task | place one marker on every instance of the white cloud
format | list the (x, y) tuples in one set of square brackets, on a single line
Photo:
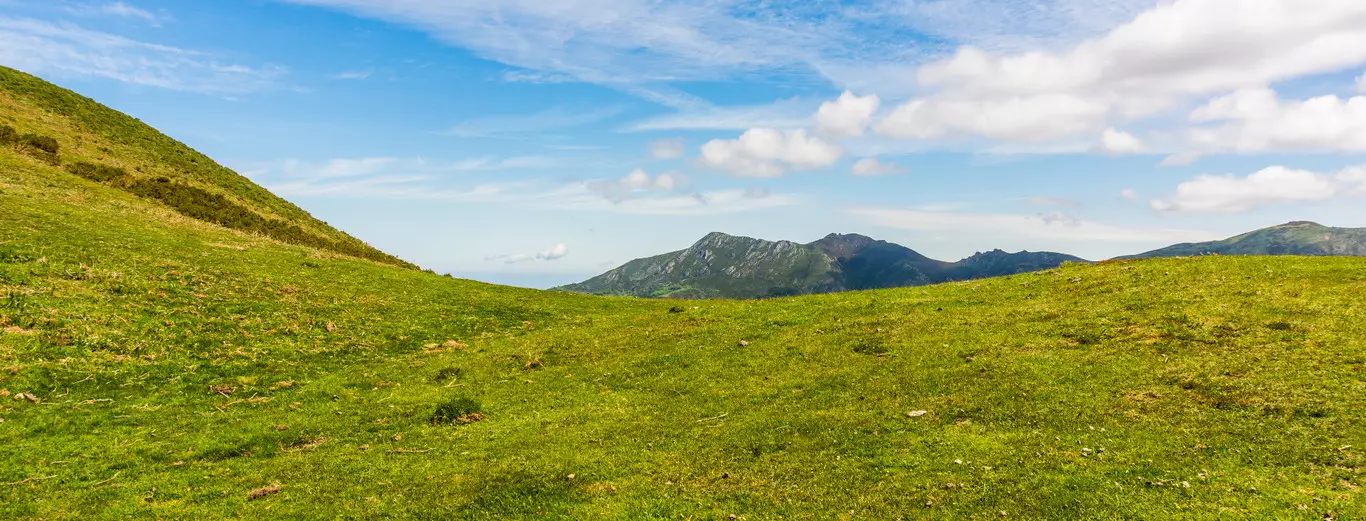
[(1162, 57), (1182, 159), (757, 192), (765, 152), (1118, 142), (667, 148), (785, 114), (872, 166), (555, 252), (636, 182), (67, 50), (1130, 194), (1271, 185), (1031, 118), (508, 126), (847, 116), (353, 75), (1257, 120), (1055, 226), (118, 9)]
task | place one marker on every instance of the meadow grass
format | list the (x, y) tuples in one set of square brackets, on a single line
[(155, 366)]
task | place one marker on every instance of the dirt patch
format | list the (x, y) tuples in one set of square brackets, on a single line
[(466, 419), (16, 330), (1142, 397), (223, 389), (263, 492)]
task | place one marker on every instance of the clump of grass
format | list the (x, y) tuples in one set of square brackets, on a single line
[(871, 346), (44, 148), (7, 135), (458, 411), (448, 374)]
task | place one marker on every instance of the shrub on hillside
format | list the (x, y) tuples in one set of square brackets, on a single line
[(41, 147), (44, 143), (8, 135), (97, 173)]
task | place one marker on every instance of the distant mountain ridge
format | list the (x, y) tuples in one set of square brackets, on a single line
[(1293, 238), (727, 266)]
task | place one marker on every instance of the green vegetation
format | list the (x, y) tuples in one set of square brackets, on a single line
[(725, 266), (113, 147), (154, 365), (1296, 238)]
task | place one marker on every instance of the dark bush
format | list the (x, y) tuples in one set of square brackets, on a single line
[(7, 135), (44, 143), (460, 410), (97, 173)]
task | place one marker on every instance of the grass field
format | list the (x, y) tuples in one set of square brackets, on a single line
[(156, 366)]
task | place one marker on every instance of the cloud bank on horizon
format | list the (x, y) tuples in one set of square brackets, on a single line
[(1164, 122)]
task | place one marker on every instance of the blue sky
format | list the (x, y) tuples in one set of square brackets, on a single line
[(537, 143)]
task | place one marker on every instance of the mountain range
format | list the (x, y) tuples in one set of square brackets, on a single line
[(727, 266)]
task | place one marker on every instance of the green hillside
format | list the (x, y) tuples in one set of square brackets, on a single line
[(1296, 238), (154, 365), (726, 266), (103, 145)]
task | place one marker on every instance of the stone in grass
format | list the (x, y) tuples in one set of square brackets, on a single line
[(459, 411), (744, 343), (916, 414)]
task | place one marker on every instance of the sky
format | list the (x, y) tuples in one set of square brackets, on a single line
[(537, 143)]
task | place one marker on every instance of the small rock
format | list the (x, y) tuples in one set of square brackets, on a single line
[(1185, 484), (917, 414), (572, 476), (958, 461), (331, 326), (397, 437), (27, 396), (744, 343)]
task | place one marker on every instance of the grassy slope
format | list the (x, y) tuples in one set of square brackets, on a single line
[(1203, 388), (90, 132)]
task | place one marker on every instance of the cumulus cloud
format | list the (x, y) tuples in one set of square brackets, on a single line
[(1163, 56), (1181, 159), (1258, 120), (1118, 142), (667, 148), (1031, 118), (872, 166), (555, 252), (1277, 184), (638, 181), (766, 152), (847, 116)]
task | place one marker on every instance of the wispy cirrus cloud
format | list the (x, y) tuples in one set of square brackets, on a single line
[(119, 10), (415, 179), (515, 125), (66, 49)]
